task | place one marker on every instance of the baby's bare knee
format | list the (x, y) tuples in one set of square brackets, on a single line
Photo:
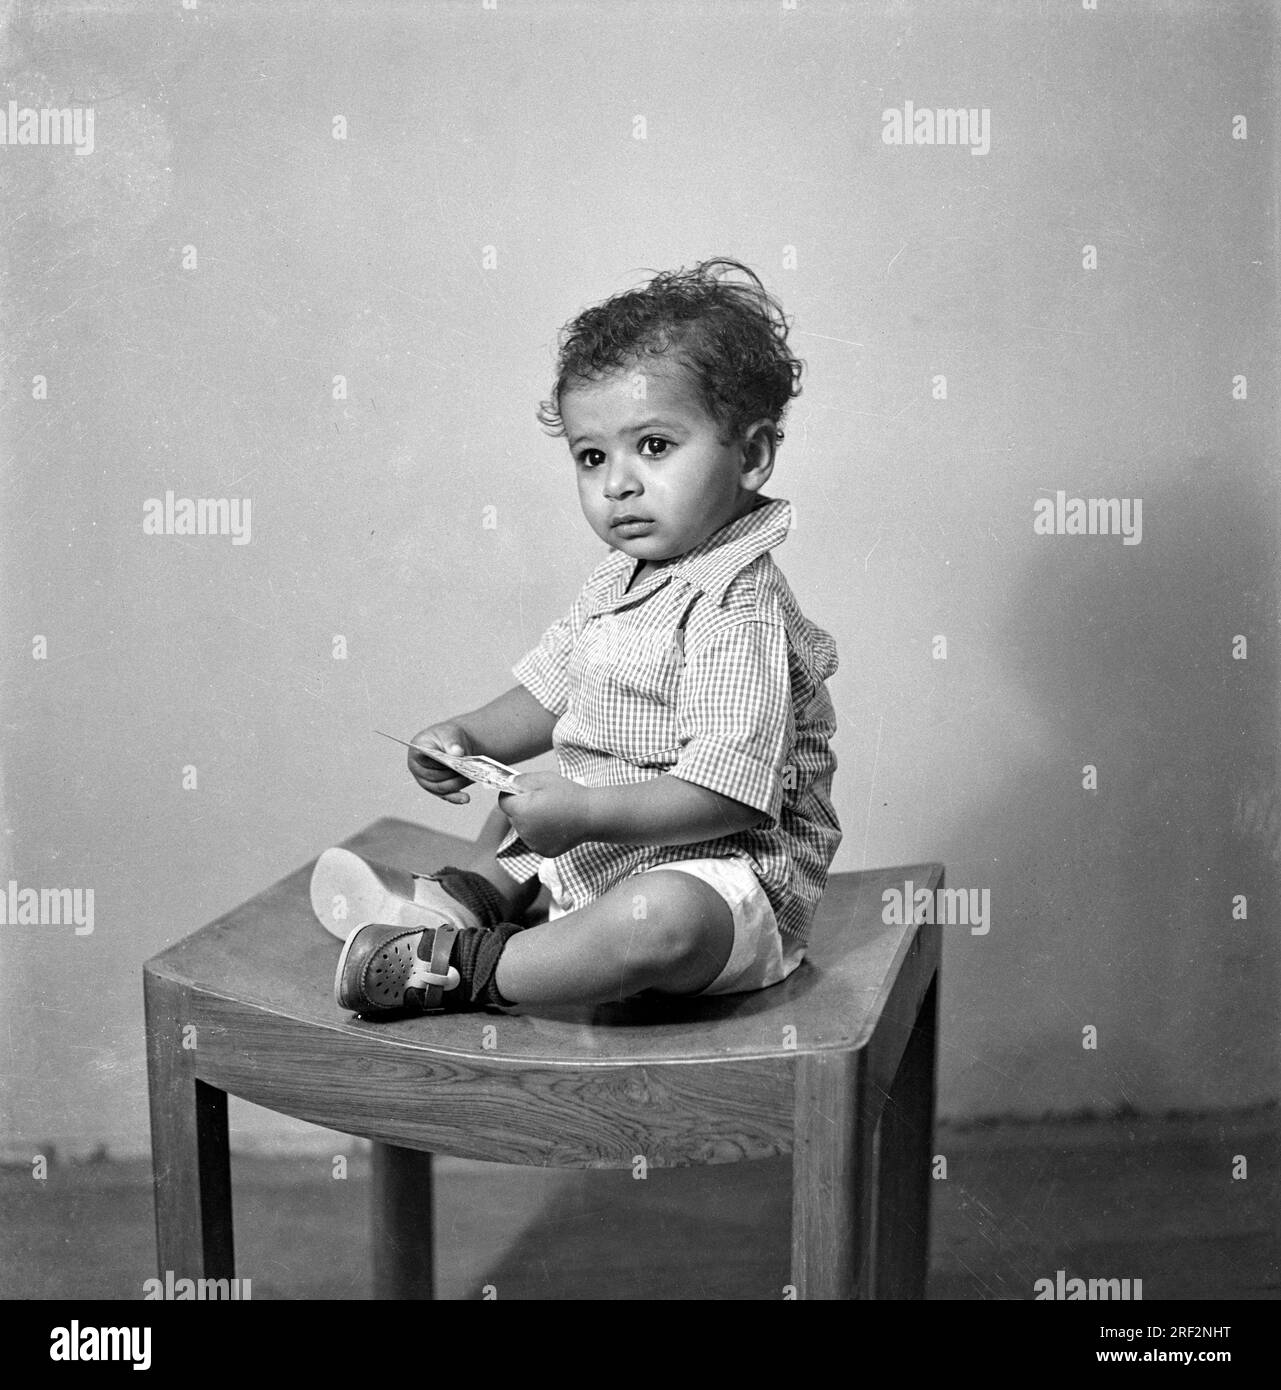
[(675, 919)]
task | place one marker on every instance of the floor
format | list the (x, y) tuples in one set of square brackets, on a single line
[(1149, 1199)]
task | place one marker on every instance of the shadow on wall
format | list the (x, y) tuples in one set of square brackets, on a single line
[(1114, 908)]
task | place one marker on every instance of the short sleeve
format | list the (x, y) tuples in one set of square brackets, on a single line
[(542, 670), (735, 716)]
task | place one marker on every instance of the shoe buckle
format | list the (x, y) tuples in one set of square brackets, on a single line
[(435, 976), (421, 978)]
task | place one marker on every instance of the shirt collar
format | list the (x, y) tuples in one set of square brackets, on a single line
[(711, 567)]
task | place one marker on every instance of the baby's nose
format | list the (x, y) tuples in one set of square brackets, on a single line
[(620, 480)]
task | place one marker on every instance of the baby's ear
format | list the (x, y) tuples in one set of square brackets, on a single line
[(760, 441)]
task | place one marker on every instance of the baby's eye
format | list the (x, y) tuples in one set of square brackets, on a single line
[(660, 446), (591, 458)]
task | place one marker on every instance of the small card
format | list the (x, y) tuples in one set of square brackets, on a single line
[(487, 772)]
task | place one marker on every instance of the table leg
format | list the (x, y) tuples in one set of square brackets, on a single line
[(191, 1161), (903, 1185), (832, 1178), (402, 1223)]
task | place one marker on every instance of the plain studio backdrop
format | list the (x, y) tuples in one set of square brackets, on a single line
[(413, 199)]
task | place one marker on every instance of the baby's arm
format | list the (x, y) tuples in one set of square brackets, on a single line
[(553, 815), (665, 810), (511, 729)]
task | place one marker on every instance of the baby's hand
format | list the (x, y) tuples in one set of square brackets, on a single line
[(434, 777), (550, 814)]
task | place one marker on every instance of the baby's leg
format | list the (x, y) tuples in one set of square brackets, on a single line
[(516, 896), (662, 930)]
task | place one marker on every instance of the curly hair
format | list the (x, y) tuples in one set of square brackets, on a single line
[(729, 335)]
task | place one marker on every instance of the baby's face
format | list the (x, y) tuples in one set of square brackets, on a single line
[(658, 458)]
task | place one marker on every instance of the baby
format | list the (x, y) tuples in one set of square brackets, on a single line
[(685, 841)]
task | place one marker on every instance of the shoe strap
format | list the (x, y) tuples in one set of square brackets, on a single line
[(441, 948)]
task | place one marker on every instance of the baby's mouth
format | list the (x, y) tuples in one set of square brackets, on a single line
[(631, 525)]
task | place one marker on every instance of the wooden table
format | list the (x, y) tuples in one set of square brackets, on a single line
[(835, 1066)]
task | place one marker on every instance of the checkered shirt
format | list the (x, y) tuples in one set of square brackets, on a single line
[(709, 671)]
